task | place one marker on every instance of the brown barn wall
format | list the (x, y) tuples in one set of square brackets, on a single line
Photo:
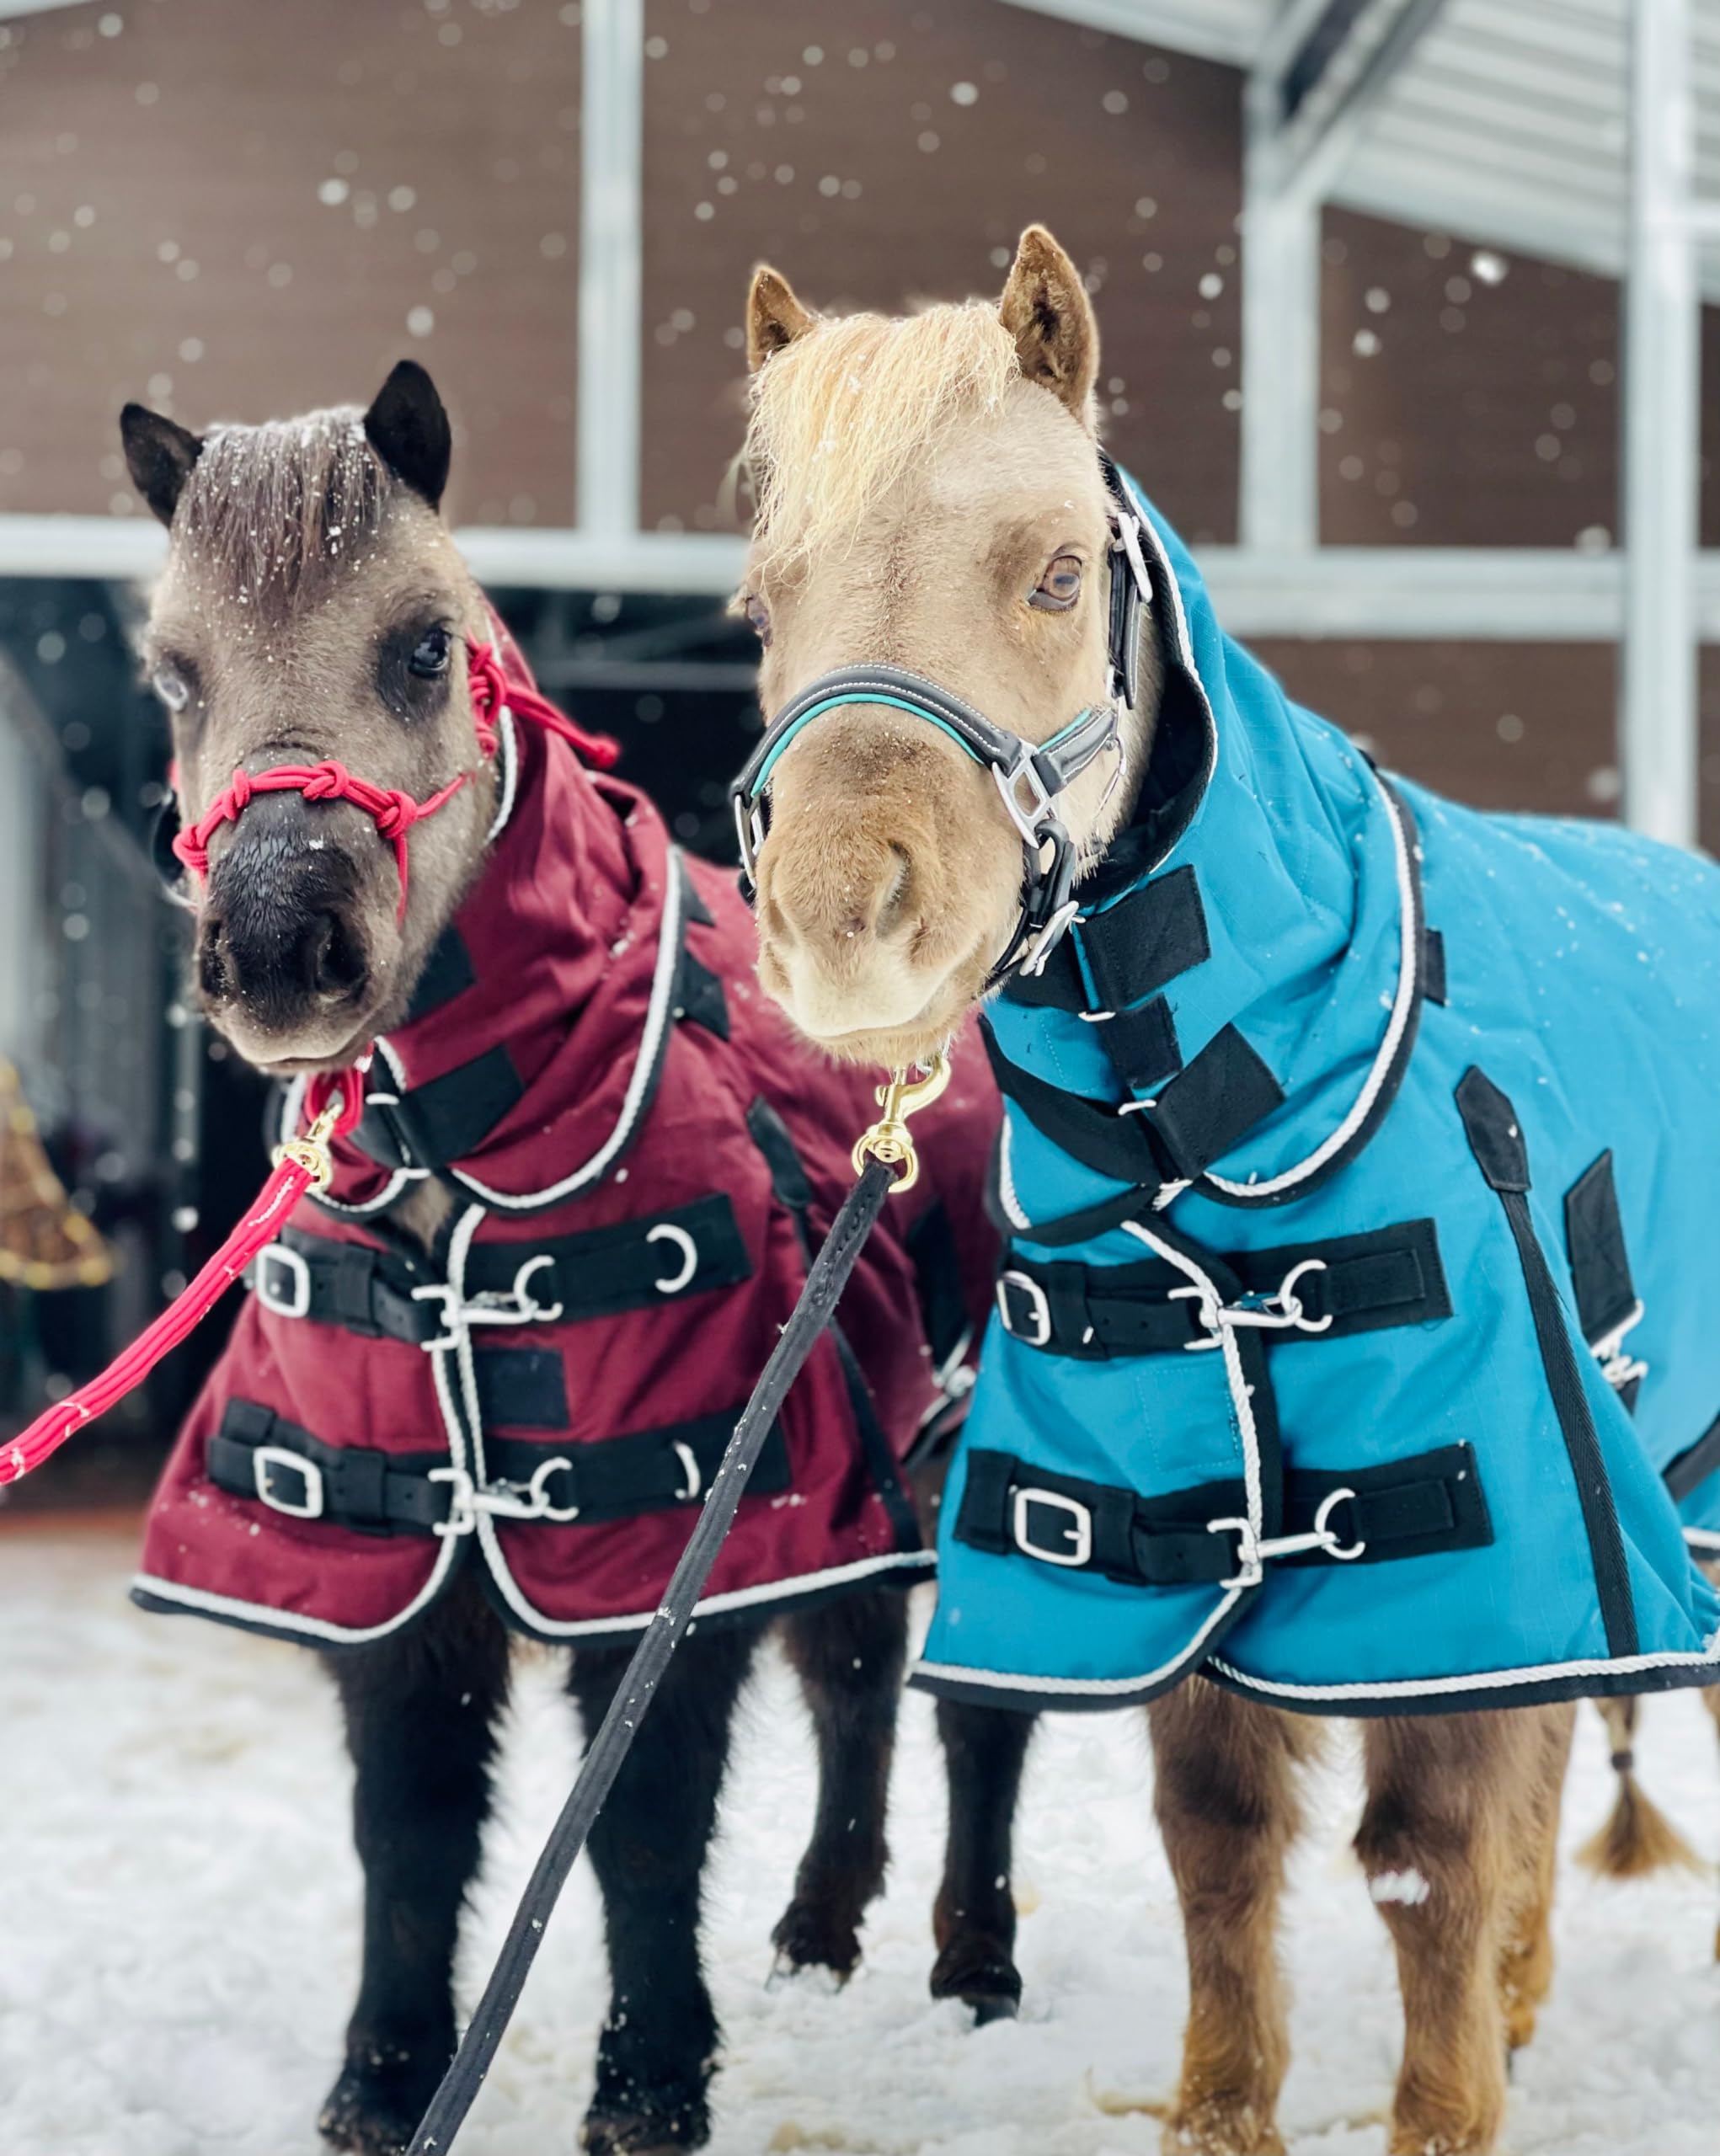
[(878, 151), (163, 233)]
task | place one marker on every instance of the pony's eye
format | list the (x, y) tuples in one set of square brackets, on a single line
[(430, 655), (170, 687), (1059, 587), (759, 614)]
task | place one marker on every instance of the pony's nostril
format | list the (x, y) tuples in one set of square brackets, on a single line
[(892, 915), (214, 972), (337, 967)]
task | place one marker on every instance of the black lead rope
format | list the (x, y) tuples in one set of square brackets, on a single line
[(632, 1701)]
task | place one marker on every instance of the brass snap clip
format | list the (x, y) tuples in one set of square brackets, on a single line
[(888, 1139), (311, 1151)]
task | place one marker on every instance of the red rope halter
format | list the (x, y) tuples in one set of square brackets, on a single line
[(393, 812)]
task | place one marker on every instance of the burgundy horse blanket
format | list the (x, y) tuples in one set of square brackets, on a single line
[(641, 1156)]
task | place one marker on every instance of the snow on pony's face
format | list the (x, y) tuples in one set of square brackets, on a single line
[(930, 498), (313, 608)]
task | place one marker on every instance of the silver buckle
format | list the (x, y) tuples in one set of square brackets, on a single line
[(264, 1457), (1045, 940), (666, 1231), (1617, 1368), (1080, 1526), (1028, 820), (1038, 1309), (1255, 1551), (297, 1302), (462, 1507)]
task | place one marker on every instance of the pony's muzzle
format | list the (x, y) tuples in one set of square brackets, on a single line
[(283, 960)]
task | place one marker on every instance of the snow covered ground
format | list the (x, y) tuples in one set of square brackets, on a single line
[(178, 1907)]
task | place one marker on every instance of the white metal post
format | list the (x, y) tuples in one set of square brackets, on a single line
[(611, 230), (1662, 438), (1280, 510)]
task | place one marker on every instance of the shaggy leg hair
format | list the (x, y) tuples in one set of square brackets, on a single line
[(985, 1749), (421, 1710), (1456, 1842), (850, 1655), (1224, 1790)]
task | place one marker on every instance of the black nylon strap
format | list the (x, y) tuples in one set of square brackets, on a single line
[(1413, 1507), (353, 1486), (1142, 1045), (1209, 1106), (448, 971), (1213, 1103), (432, 1125), (380, 1493), (1694, 1465), (1367, 1283), (605, 1271), (1133, 949), (662, 1256), (1594, 1240), (357, 1286)]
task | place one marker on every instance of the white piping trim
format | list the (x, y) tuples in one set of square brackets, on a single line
[(1006, 1181), (715, 1605), (1185, 654), (1480, 1680), (1402, 1007), (1082, 1688), (1702, 1538), (510, 776), (645, 1071)]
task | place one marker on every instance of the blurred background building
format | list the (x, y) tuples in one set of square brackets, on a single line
[(1366, 270)]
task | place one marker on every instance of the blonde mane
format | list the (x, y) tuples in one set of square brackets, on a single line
[(842, 414)]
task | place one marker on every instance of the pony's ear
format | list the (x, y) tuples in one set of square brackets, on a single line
[(1046, 309), (774, 317), (160, 455), (409, 430)]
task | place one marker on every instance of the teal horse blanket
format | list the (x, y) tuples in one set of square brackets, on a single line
[(1359, 1341)]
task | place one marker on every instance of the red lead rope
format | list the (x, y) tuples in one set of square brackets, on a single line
[(335, 1104), (300, 1165)]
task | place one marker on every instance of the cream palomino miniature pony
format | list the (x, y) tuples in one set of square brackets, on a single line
[(933, 504)]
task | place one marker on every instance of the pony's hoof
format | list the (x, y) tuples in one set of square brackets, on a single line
[(374, 2108), (812, 1936), (1215, 2128), (981, 1975), (670, 2130)]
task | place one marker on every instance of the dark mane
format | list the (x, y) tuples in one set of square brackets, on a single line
[(271, 508)]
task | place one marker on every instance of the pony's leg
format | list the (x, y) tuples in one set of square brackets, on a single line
[(1224, 1790), (1450, 1804), (420, 1712), (658, 2049), (985, 1749), (849, 1654), (1526, 1967)]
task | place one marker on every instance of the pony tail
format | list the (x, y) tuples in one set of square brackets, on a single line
[(1639, 1838)]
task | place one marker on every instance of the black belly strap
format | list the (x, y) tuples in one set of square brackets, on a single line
[(386, 1294), (1413, 1507), (1304, 1291), (259, 1454)]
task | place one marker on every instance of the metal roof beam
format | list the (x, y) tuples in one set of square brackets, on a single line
[(1309, 111)]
